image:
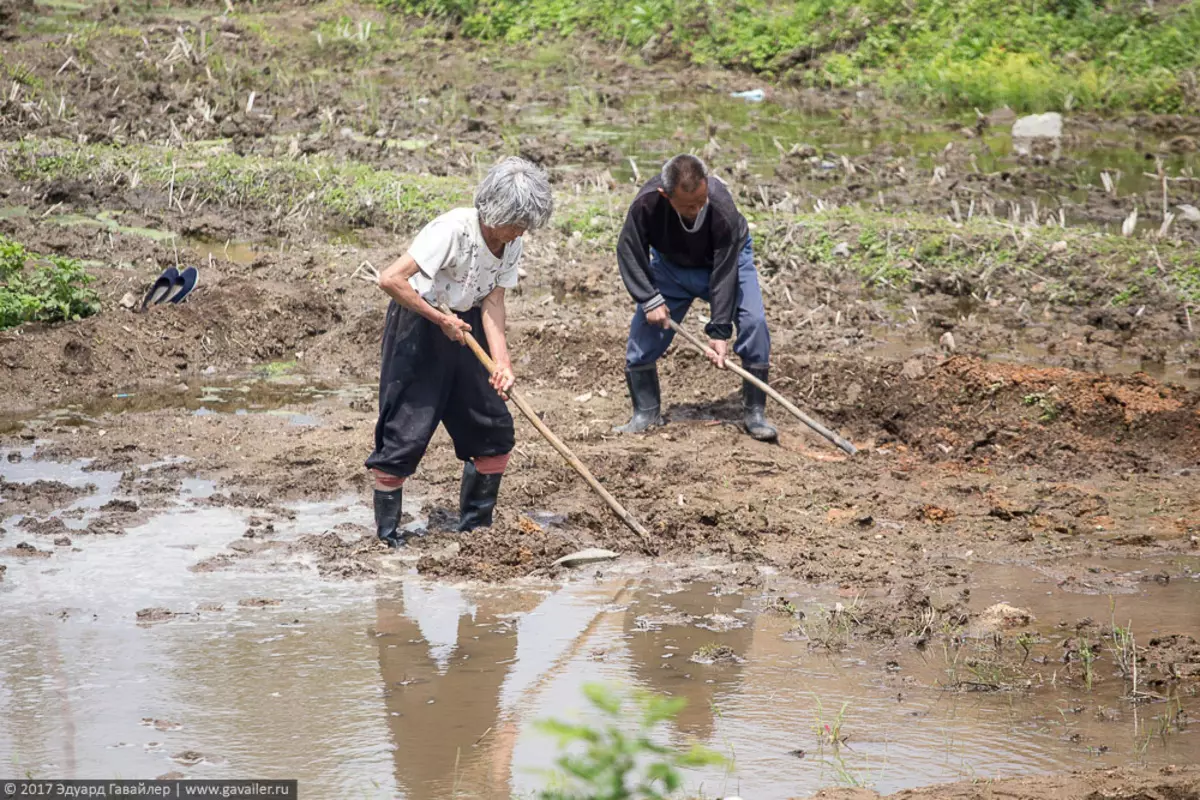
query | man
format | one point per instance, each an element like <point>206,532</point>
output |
<point>685,239</point>
<point>463,260</point>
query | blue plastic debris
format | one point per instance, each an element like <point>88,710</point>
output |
<point>750,95</point>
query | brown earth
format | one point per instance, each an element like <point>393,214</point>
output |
<point>1173,783</point>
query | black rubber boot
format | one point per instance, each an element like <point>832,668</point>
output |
<point>644,392</point>
<point>387,516</point>
<point>477,498</point>
<point>754,404</point>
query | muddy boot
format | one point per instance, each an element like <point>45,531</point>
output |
<point>477,498</point>
<point>754,403</point>
<point>387,516</point>
<point>644,392</point>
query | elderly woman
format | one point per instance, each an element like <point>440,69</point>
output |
<point>463,260</point>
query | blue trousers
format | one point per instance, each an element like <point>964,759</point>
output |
<point>679,286</point>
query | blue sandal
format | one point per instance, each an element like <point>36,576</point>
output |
<point>161,288</point>
<point>185,283</point>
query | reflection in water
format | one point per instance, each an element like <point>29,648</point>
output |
<point>443,659</point>
<point>661,659</point>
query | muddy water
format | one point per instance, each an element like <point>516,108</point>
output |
<point>415,689</point>
<point>267,396</point>
<point>651,128</point>
<point>235,252</point>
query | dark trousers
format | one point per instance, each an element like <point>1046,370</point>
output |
<point>679,286</point>
<point>427,379</point>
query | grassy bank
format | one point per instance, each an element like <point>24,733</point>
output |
<point>883,250</point>
<point>1040,55</point>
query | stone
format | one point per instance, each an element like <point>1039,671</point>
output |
<point>1002,616</point>
<point>588,556</point>
<point>1038,126</point>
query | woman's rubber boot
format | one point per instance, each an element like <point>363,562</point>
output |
<point>477,498</point>
<point>387,516</point>
<point>754,406</point>
<point>647,402</point>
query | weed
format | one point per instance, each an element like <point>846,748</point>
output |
<point>1026,641</point>
<point>616,759</point>
<point>276,369</point>
<point>54,292</point>
<point>1123,297</point>
<point>1087,657</point>
<point>831,628</point>
<point>781,605</point>
<point>1124,648</point>
<point>829,731</point>
<point>713,653</point>
<point>1049,409</point>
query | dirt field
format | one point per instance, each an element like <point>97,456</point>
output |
<point>1019,394</point>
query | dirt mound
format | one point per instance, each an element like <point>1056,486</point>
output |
<point>39,496</point>
<point>338,557</point>
<point>1176,656</point>
<point>227,326</point>
<point>513,547</point>
<point>965,408</point>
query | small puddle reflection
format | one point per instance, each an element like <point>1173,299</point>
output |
<point>235,252</point>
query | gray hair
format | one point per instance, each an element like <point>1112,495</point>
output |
<point>515,192</point>
<point>683,171</point>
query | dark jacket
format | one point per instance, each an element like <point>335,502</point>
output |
<point>651,222</point>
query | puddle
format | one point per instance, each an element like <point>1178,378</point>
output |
<point>236,252</point>
<point>262,396</point>
<point>749,131</point>
<point>101,487</point>
<point>406,688</point>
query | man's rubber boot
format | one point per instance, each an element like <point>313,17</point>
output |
<point>647,402</point>
<point>387,516</point>
<point>754,404</point>
<point>477,498</point>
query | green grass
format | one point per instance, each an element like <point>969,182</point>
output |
<point>886,251</point>
<point>1039,55</point>
<point>353,193</point>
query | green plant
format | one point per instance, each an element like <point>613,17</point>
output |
<point>1054,54</point>
<point>1049,409</point>
<point>1087,656</point>
<point>831,628</point>
<point>617,759</point>
<point>277,369</point>
<point>56,291</point>
<point>1026,641</point>
<point>829,730</point>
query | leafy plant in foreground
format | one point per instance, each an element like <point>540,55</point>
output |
<point>56,291</point>
<point>615,758</point>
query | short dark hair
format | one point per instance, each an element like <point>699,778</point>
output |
<point>685,172</point>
